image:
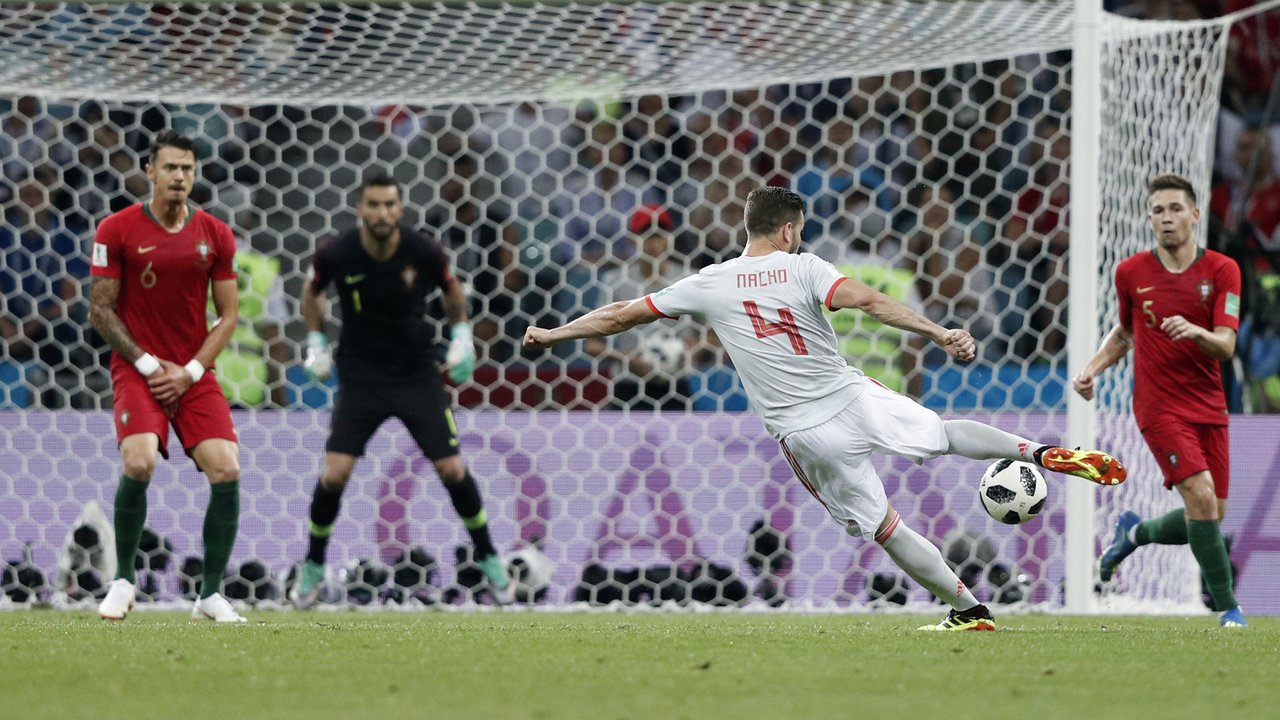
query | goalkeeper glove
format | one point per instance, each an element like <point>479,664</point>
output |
<point>461,358</point>
<point>319,360</point>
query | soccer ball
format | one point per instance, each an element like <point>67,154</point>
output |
<point>530,570</point>
<point>1012,492</point>
<point>665,353</point>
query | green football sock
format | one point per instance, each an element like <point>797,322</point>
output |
<point>1168,529</point>
<point>221,520</point>
<point>1205,538</point>
<point>130,516</point>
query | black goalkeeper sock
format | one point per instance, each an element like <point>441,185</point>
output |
<point>465,495</point>
<point>221,521</point>
<point>130,517</point>
<point>325,503</point>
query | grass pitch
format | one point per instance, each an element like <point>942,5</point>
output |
<point>607,666</point>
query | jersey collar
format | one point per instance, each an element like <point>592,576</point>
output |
<point>1199,254</point>
<point>191,213</point>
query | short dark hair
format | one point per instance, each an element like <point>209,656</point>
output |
<point>170,138</point>
<point>378,178</point>
<point>1170,181</point>
<point>771,207</point>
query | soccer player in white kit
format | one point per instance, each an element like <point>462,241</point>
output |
<point>766,307</point>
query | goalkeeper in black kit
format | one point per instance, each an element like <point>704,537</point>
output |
<point>387,367</point>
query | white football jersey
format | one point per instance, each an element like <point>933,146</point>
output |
<point>767,311</point>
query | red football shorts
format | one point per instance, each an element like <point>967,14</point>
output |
<point>203,412</point>
<point>1184,449</point>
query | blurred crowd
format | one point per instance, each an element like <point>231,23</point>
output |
<point>945,188</point>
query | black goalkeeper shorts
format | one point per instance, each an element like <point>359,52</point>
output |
<point>421,404</point>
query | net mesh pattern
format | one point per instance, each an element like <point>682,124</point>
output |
<point>556,150</point>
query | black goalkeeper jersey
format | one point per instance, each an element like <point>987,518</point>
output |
<point>386,335</point>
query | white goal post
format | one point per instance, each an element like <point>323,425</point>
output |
<point>935,141</point>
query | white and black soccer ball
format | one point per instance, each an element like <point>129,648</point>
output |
<point>530,570</point>
<point>664,352</point>
<point>1013,492</point>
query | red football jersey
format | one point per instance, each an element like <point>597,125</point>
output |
<point>164,277</point>
<point>1177,379</point>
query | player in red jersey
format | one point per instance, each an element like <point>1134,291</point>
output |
<point>1179,311</point>
<point>153,265</point>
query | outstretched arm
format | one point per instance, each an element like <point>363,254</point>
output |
<point>608,320</point>
<point>851,293</point>
<point>1114,346</point>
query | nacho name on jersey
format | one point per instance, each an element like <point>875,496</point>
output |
<point>762,278</point>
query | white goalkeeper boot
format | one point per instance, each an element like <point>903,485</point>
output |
<point>119,600</point>
<point>216,608</point>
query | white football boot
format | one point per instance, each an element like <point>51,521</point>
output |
<point>119,600</point>
<point>216,608</point>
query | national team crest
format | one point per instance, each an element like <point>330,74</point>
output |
<point>1206,287</point>
<point>410,276</point>
<point>203,251</point>
<point>124,418</point>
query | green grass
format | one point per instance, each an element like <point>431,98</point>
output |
<point>615,666</point>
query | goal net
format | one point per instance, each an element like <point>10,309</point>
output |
<point>557,149</point>
<point>1160,89</point>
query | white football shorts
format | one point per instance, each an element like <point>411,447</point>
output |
<point>833,459</point>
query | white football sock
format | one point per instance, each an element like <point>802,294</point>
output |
<point>923,562</point>
<point>983,442</point>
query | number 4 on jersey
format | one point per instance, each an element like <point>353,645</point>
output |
<point>786,324</point>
